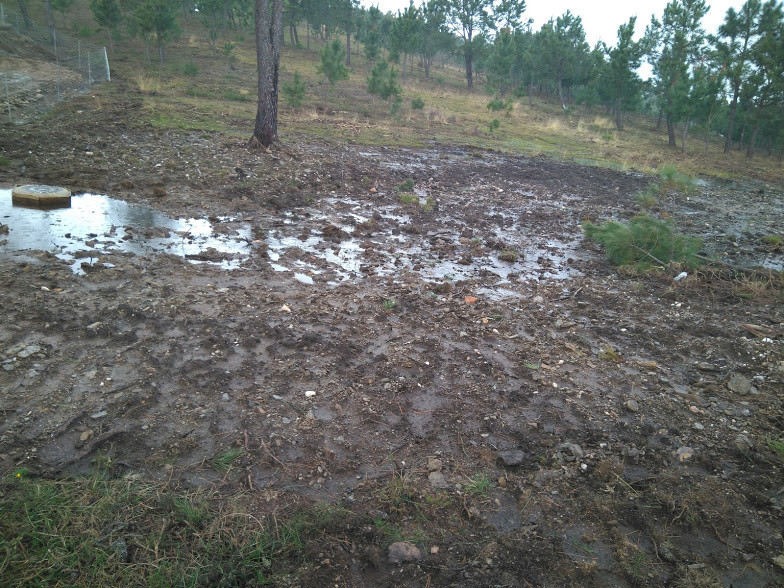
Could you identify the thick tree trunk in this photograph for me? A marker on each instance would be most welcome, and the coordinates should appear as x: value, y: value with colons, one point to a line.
x: 50, y: 21
x: 269, y: 37
x: 348, y: 49
x: 618, y: 117
x: 752, y: 140
x: 685, y: 132
x: 469, y: 66
x: 25, y: 15
x: 731, y: 124
x: 427, y: 67
x: 560, y: 94
x: 671, y: 132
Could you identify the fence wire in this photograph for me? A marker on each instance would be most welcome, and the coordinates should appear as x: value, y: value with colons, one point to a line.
x: 40, y: 67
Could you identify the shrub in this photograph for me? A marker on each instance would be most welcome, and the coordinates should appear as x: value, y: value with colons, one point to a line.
x: 644, y: 241
x: 496, y: 105
x: 417, y: 103
x: 190, y: 69
x: 494, y: 125
x: 294, y: 91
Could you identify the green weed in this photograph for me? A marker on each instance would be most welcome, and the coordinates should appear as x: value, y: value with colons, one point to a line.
x: 389, y: 304
x: 408, y: 198
x: 224, y: 461
x: 417, y: 104
x: 406, y: 186
x: 644, y: 242
x: 478, y: 484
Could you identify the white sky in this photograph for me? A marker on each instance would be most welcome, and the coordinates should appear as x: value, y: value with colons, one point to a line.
x: 601, y: 18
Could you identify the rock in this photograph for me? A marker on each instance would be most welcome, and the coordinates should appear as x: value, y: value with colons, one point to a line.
x: 743, y: 443
x: 437, y: 480
x: 537, y: 300
x: 29, y: 350
x: 403, y: 551
x: 572, y: 448
x: 99, y: 415
x: 225, y: 397
x: 698, y: 426
x: 512, y: 457
x: 684, y: 454
x: 779, y: 560
x: 739, y: 384
x: 433, y: 464
x: 632, y: 405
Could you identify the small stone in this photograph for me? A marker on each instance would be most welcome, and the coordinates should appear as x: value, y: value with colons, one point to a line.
x: 434, y: 550
x: 86, y: 435
x: 29, y: 350
x: 437, y: 480
x: 779, y: 560
x: 99, y: 415
x: 538, y: 300
x: 512, y: 457
x: 572, y: 448
x: 225, y: 397
x: 743, y: 443
x: 632, y: 405
x: 698, y: 426
x: 739, y: 384
x: 434, y: 464
x: 403, y: 551
x: 684, y: 453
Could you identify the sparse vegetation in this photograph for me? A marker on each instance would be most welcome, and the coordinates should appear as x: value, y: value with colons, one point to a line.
x: 644, y: 242
x: 294, y: 91
x: 478, y: 484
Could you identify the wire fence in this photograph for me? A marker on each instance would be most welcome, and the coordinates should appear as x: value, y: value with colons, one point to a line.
x: 40, y: 66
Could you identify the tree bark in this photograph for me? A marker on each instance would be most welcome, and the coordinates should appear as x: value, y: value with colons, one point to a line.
x: 731, y: 124
x: 618, y: 117
x: 469, y: 66
x: 25, y: 15
x: 269, y: 37
x: 752, y: 140
x: 685, y: 132
x: 348, y: 49
x: 671, y: 132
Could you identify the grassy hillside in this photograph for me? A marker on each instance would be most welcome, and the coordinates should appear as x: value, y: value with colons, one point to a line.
x: 196, y: 90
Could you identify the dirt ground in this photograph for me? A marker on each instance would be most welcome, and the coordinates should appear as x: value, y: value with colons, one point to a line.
x: 566, y: 423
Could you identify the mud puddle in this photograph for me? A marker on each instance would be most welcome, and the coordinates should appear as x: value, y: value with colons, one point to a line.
x: 95, y: 225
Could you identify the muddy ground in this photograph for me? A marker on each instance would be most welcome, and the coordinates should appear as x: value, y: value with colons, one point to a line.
x: 389, y: 356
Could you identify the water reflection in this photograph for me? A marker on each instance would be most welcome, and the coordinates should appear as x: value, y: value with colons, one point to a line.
x: 97, y: 222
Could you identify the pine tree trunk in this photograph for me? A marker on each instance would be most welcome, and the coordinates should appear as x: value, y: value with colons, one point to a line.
x: 560, y: 94
x: 685, y: 132
x: 671, y: 132
x: 618, y: 118
x: 348, y: 49
x: 469, y: 66
x: 731, y: 124
x: 269, y: 37
x: 25, y: 15
x: 752, y: 140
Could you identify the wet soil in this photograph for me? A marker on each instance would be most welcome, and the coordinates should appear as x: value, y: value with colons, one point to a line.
x: 359, y: 343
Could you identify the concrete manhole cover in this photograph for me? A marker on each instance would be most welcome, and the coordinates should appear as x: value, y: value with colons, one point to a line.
x: 41, y: 195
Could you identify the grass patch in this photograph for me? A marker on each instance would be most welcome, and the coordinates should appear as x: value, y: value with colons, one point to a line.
x: 5, y: 161
x: 408, y: 198
x: 670, y: 179
x: 225, y: 460
x: 644, y: 242
x: 509, y: 255
x: 406, y: 186
x: 389, y: 304
x: 99, y: 531
x: 777, y: 447
x: 478, y: 484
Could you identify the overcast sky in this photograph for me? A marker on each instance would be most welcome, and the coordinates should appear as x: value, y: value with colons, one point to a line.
x: 601, y: 18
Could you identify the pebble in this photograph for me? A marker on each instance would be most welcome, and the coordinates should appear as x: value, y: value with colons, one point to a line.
x: 434, y: 464
x: 512, y: 457
x: 684, y: 453
x: 743, y: 443
x: 403, y: 551
x: 632, y: 405
x: 225, y: 397
x: 698, y: 426
x: 573, y: 448
x: 739, y: 384
x: 437, y: 480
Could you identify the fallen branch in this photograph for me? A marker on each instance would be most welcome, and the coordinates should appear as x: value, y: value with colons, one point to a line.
x: 88, y: 449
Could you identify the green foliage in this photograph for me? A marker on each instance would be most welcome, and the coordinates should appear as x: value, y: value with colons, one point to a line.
x: 383, y: 82
x: 406, y: 186
x: 417, y: 104
x: 229, y: 54
x: 190, y: 69
x: 673, y: 180
x: 494, y: 125
x: 389, y: 304
x: 224, y: 461
x: 496, y: 104
x: 644, y: 242
x: 408, y: 197
x: 235, y: 95
x: 294, y: 91
x: 777, y: 447
x: 478, y: 484
x: 333, y: 62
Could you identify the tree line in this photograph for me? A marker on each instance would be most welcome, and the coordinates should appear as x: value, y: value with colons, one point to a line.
x: 729, y: 82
